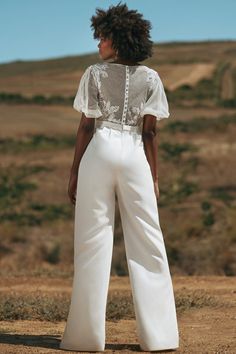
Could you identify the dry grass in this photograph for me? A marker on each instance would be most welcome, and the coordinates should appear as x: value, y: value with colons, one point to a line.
x: 50, y: 305
x: 205, y: 311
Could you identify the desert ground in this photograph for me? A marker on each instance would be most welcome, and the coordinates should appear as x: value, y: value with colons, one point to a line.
x: 206, y: 312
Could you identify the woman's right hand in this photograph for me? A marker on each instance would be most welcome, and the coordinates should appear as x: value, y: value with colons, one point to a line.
x: 72, y: 187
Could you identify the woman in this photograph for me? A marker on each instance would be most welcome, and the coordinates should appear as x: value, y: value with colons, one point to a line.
x: 116, y: 154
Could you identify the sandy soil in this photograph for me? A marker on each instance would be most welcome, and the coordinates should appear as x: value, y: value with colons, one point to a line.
x: 204, y: 330
x: 177, y: 75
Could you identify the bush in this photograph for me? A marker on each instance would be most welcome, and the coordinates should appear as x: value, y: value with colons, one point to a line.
x: 17, y: 98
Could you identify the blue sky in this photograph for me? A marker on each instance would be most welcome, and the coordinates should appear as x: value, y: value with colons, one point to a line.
x: 33, y: 29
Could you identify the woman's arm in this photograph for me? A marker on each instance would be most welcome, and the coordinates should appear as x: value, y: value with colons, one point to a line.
x: 84, y: 135
x: 149, y: 135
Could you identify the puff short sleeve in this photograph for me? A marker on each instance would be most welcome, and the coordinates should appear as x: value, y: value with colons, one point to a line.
x: 156, y: 103
x: 86, y: 99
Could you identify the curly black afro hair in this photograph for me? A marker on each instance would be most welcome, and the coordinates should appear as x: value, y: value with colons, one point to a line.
x: 129, y: 32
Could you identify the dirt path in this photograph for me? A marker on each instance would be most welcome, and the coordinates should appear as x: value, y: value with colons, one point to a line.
x: 202, y: 330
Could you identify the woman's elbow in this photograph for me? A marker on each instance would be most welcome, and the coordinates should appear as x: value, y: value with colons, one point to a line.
x: 149, y: 127
x: 87, y: 124
x: 148, y: 135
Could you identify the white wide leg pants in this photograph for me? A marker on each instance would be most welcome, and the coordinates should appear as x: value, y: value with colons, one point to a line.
x: 115, y: 162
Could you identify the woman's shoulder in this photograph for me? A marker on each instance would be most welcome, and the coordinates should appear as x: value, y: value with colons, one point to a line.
x: 98, y: 66
x: 102, y: 69
x: 152, y: 71
x: 90, y: 70
x: 103, y: 65
x: 153, y: 77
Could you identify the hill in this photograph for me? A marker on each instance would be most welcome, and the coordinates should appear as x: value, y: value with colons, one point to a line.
x: 190, y: 71
x: 196, y: 161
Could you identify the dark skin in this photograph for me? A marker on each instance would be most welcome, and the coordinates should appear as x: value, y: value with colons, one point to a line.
x: 84, y: 135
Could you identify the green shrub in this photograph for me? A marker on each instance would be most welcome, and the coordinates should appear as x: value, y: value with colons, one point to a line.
x: 205, y: 205
x: 175, y: 151
x: 208, y: 219
x: 200, y: 124
x: 36, y: 142
x: 177, y: 191
x: 228, y: 103
x: 51, y: 254
x: 13, y: 191
x: 225, y: 193
x: 17, y: 98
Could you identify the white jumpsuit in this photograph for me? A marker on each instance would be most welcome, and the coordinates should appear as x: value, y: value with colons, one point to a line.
x: 114, y: 162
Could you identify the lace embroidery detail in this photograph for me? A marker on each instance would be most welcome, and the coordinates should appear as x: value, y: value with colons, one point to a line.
x: 101, y: 70
x: 133, y: 114
x: 151, y: 99
x: 108, y: 109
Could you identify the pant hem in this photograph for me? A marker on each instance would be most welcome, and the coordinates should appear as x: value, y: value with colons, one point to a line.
x: 65, y: 346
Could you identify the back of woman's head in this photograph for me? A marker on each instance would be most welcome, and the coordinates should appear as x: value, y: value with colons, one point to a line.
x: 128, y: 30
